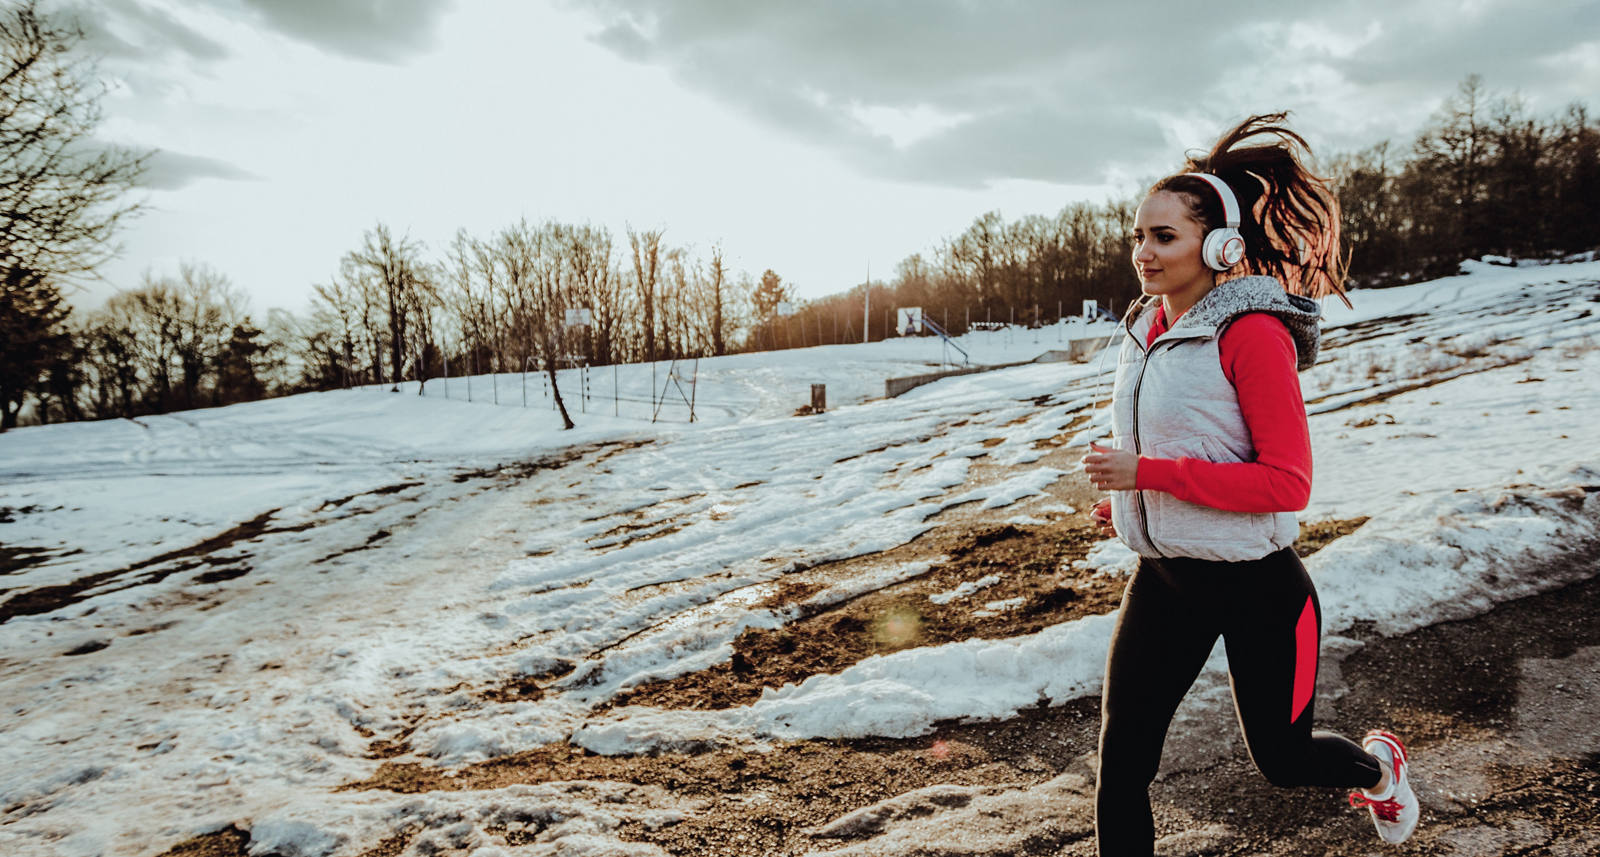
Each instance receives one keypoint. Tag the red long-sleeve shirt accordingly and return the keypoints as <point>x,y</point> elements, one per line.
<point>1258,358</point>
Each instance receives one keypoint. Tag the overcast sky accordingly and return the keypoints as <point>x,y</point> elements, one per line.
<point>813,138</point>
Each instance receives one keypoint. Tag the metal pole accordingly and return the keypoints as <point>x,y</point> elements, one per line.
<point>616,397</point>
<point>866,308</point>
<point>694,388</point>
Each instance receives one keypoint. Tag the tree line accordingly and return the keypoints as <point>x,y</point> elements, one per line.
<point>1482,177</point>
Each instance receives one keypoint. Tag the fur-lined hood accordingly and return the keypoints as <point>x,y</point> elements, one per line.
<point>1233,298</point>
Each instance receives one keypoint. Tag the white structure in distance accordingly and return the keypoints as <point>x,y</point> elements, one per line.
<point>582,317</point>
<point>1090,308</point>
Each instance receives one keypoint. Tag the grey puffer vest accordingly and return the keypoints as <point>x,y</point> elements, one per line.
<point>1173,401</point>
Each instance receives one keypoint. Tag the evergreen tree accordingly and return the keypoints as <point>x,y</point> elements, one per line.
<point>32,336</point>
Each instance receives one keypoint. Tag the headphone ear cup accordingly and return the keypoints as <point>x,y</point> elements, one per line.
<point>1222,249</point>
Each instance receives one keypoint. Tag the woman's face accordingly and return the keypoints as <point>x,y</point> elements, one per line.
<point>1166,251</point>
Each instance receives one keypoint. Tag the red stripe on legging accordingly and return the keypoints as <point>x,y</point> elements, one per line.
<point>1305,660</point>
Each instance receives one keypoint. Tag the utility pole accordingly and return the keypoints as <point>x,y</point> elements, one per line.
<point>866,307</point>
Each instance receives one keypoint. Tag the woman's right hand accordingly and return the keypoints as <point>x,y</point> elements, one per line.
<point>1101,515</point>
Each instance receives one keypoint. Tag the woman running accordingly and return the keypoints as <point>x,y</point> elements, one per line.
<point>1210,459</point>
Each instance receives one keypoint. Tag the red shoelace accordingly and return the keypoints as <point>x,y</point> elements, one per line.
<point>1387,810</point>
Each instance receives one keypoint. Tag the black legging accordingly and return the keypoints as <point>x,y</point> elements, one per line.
<point>1267,613</point>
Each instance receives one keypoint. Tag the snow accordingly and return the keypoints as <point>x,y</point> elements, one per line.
<point>965,589</point>
<point>1109,557</point>
<point>401,558</point>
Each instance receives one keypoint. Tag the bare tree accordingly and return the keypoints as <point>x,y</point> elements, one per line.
<point>462,298</point>
<point>500,300</point>
<point>646,248</point>
<point>716,301</point>
<point>597,286</point>
<point>1451,156</point>
<point>336,310</point>
<point>207,307</point>
<point>110,369</point>
<point>393,268</point>
<point>533,264</point>
<point>423,304</point>
<point>61,192</point>
<point>672,300</point>
<point>151,313</point>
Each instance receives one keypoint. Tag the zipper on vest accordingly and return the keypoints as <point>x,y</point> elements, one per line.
<point>1144,514</point>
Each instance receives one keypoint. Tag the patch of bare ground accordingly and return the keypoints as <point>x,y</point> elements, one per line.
<point>525,688</point>
<point>1028,562</point>
<point>15,558</point>
<point>1317,535</point>
<point>227,842</point>
<point>523,469</point>
<point>1033,565</point>
<point>767,802</point>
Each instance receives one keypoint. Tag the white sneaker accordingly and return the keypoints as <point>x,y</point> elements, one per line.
<point>1394,811</point>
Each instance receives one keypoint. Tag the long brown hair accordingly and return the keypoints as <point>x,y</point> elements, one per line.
<point>1289,217</point>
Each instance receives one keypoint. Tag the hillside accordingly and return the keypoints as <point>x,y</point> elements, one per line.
<point>367,623</point>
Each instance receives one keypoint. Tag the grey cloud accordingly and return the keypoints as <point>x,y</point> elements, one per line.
<point>1062,92</point>
<point>1503,43</point>
<point>1046,143</point>
<point>145,32</point>
<point>168,170</point>
<point>625,40</point>
<point>381,30</point>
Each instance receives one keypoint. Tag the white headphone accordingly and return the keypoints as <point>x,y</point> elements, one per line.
<point>1223,248</point>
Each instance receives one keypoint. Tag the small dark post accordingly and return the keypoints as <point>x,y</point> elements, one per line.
<point>819,398</point>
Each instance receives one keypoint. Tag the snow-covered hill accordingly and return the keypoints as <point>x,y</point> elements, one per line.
<point>220,617</point>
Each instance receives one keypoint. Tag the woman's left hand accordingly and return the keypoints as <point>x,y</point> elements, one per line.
<point>1111,469</point>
